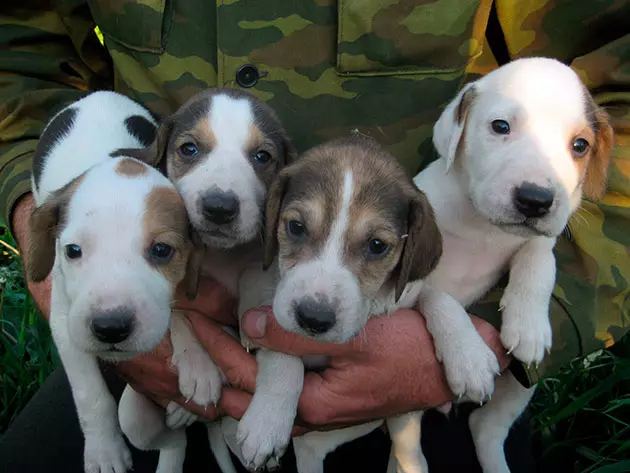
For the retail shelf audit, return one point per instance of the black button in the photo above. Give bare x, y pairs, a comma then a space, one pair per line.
247, 76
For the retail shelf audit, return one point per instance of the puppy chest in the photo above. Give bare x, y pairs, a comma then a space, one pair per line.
467, 271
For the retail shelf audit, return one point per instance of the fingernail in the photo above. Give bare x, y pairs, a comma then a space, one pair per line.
256, 324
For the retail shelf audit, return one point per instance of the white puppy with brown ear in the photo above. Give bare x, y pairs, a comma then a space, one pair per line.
114, 233
518, 148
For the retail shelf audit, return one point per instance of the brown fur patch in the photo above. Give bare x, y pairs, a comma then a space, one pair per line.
45, 224
385, 205
130, 168
598, 161
166, 221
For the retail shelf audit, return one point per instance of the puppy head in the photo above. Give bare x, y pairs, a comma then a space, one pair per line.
117, 241
528, 140
349, 227
222, 149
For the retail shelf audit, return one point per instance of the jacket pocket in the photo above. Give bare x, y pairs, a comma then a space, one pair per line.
141, 26
409, 36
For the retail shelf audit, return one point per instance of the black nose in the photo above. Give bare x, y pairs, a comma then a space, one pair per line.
532, 200
220, 207
112, 326
315, 317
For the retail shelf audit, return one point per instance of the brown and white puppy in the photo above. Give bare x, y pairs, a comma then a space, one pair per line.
518, 150
353, 238
113, 234
221, 149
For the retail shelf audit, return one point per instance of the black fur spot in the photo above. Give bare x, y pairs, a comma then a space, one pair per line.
141, 128
55, 131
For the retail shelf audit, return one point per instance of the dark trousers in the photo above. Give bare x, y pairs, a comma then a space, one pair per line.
46, 437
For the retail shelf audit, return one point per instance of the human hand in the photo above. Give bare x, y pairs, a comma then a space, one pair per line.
389, 369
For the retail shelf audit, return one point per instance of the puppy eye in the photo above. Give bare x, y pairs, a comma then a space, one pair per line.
161, 253
580, 146
188, 150
73, 251
262, 157
377, 247
501, 127
295, 229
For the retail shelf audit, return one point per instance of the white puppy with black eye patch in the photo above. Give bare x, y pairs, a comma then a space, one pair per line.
354, 238
221, 149
114, 232
518, 149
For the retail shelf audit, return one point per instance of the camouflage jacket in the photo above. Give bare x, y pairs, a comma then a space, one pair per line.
384, 68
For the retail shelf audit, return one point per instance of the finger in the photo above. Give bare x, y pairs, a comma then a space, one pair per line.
493, 339
262, 328
238, 366
209, 412
213, 300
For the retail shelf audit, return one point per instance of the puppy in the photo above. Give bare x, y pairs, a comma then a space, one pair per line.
354, 238
518, 149
221, 149
114, 233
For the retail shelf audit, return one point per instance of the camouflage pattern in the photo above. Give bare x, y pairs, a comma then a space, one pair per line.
384, 69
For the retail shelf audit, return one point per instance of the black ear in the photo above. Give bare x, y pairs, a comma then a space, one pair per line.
272, 215
155, 152
43, 229
423, 246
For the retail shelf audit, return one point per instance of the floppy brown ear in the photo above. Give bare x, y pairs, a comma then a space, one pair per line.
449, 130
155, 152
290, 153
272, 216
44, 226
597, 169
423, 246
193, 266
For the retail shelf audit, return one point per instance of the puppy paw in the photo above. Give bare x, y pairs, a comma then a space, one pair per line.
199, 378
263, 438
106, 455
470, 368
178, 417
526, 336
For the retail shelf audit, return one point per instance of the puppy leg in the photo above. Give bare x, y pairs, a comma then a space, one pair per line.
406, 456
469, 363
526, 329
219, 447
265, 429
199, 377
142, 422
311, 448
105, 448
491, 423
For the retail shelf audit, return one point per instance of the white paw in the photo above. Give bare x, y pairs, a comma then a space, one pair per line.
199, 378
263, 435
106, 455
526, 336
178, 417
470, 367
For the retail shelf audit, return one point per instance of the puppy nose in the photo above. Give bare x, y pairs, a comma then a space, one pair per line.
221, 207
112, 326
315, 317
532, 200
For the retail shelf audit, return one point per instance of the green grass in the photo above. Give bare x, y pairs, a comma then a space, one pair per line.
27, 353
581, 418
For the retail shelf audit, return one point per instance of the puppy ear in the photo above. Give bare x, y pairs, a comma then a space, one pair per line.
290, 153
594, 186
272, 216
155, 152
423, 246
193, 266
43, 229
449, 129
